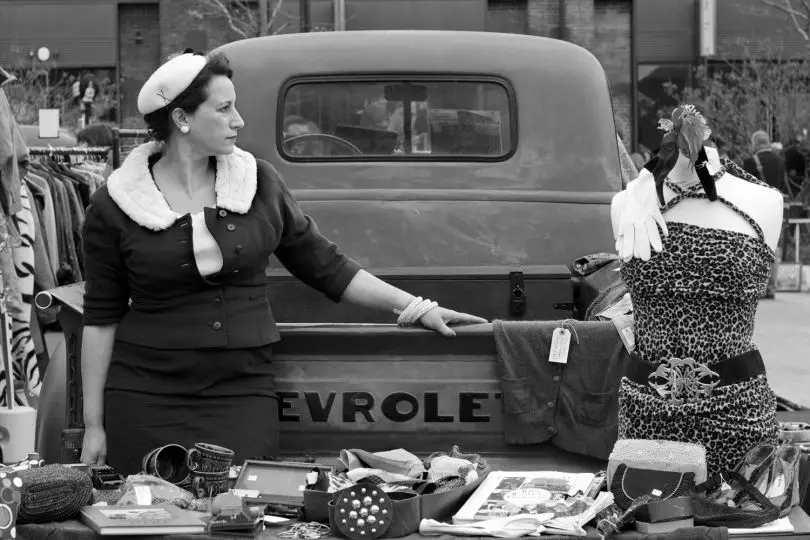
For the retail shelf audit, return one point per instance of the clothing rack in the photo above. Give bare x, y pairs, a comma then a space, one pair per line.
95, 153
118, 134
68, 150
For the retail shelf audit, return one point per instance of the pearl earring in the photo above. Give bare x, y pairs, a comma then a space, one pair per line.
184, 129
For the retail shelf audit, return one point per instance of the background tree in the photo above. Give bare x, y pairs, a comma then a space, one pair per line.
766, 92
797, 10
251, 18
42, 85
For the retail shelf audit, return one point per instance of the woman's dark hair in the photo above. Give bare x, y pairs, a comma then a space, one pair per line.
160, 122
96, 135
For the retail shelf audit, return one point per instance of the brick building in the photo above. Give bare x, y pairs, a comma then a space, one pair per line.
641, 44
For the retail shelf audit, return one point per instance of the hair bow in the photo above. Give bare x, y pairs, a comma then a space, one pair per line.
685, 133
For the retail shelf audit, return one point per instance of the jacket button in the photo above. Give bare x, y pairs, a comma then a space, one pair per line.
238, 248
231, 227
556, 378
217, 325
550, 404
223, 213
551, 429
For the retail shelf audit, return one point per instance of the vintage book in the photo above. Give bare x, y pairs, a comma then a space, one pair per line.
142, 520
505, 494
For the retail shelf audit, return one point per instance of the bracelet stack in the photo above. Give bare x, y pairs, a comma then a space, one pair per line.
415, 311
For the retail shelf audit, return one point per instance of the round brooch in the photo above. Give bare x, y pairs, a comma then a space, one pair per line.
363, 512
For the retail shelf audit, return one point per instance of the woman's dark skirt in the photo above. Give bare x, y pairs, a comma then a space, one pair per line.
156, 397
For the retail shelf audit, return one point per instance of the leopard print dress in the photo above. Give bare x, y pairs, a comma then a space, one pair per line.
698, 299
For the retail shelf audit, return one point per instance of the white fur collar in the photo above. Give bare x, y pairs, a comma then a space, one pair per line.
134, 191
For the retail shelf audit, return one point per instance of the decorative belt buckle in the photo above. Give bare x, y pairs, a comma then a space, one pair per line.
683, 381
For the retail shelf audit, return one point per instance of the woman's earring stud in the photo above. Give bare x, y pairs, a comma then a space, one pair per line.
184, 129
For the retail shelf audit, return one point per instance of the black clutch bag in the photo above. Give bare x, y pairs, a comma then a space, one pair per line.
630, 484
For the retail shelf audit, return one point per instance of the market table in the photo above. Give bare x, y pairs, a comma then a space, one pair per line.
76, 530
534, 458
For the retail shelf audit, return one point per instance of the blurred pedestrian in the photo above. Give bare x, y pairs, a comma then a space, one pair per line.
795, 160
765, 164
95, 135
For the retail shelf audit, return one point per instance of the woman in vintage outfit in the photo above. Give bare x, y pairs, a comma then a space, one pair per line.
178, 330
695, 292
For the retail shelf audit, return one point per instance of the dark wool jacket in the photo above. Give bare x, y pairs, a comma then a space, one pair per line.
141, 270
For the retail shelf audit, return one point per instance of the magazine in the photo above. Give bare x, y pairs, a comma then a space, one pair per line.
504, 494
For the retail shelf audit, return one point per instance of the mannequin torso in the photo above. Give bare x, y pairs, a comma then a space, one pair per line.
763, 204
696, 300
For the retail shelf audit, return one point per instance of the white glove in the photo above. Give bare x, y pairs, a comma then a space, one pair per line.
640, 219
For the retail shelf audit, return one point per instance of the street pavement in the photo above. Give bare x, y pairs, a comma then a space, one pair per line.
782, 333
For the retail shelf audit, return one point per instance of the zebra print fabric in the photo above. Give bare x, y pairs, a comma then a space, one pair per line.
24, 356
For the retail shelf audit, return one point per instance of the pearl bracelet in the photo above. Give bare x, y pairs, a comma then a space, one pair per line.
415, 311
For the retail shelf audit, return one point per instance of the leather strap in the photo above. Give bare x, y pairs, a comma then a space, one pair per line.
731, 371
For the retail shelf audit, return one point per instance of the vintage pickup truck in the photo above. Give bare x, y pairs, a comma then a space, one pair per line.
470, 168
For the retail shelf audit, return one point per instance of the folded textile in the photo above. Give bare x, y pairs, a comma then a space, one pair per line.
622, 307
575, 404
506, 527
397, 461
355, 475
341, 481
589, 264
608, 296
456, 452
444, 466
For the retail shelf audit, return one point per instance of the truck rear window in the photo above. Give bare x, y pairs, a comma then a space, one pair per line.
396, 119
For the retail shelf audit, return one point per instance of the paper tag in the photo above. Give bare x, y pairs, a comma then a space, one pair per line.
302, 488
560, 342
252, 478
143, 495
626, 326
656, 492
312, 478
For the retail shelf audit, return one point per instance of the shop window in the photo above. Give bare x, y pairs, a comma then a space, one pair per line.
655, 85
396, 119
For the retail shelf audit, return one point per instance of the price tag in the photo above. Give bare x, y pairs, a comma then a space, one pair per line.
626, 326
560, 342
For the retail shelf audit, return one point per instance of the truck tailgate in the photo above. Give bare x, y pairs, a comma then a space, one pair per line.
492, 292
378, 387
